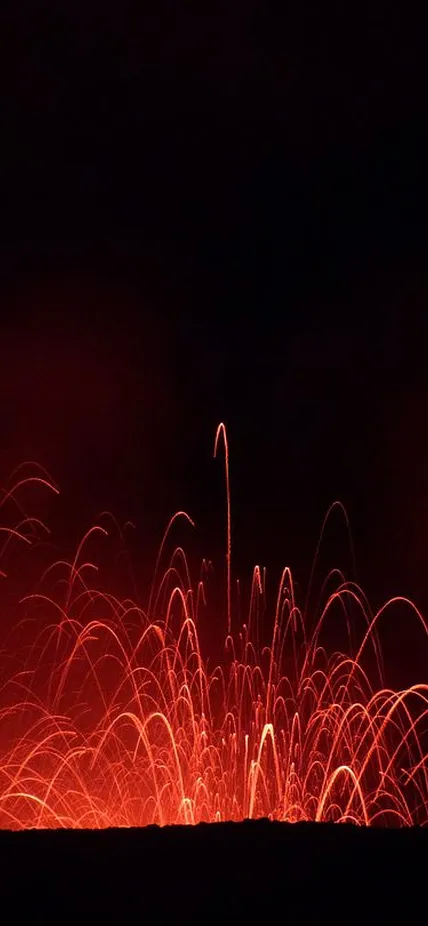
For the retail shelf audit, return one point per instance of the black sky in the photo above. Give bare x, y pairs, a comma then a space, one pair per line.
221, 214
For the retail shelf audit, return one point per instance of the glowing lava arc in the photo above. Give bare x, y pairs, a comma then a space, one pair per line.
111, 716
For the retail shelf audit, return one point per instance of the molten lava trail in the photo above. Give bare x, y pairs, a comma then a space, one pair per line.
110, 714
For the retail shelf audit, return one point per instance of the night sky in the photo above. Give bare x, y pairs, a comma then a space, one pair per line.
221, 215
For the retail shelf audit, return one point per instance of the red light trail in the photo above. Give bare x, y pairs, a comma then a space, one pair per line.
110, 714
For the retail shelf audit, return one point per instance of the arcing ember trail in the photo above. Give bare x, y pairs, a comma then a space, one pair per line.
111, 716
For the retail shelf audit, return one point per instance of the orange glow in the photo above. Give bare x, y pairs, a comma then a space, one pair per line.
110, 715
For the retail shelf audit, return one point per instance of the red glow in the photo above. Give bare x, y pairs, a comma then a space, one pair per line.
111, 715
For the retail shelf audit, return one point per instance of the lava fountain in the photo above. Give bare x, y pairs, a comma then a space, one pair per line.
110, 714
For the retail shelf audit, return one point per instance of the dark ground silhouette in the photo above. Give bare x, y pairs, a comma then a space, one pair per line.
254, 872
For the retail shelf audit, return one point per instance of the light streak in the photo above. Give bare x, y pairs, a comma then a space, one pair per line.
111, 716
